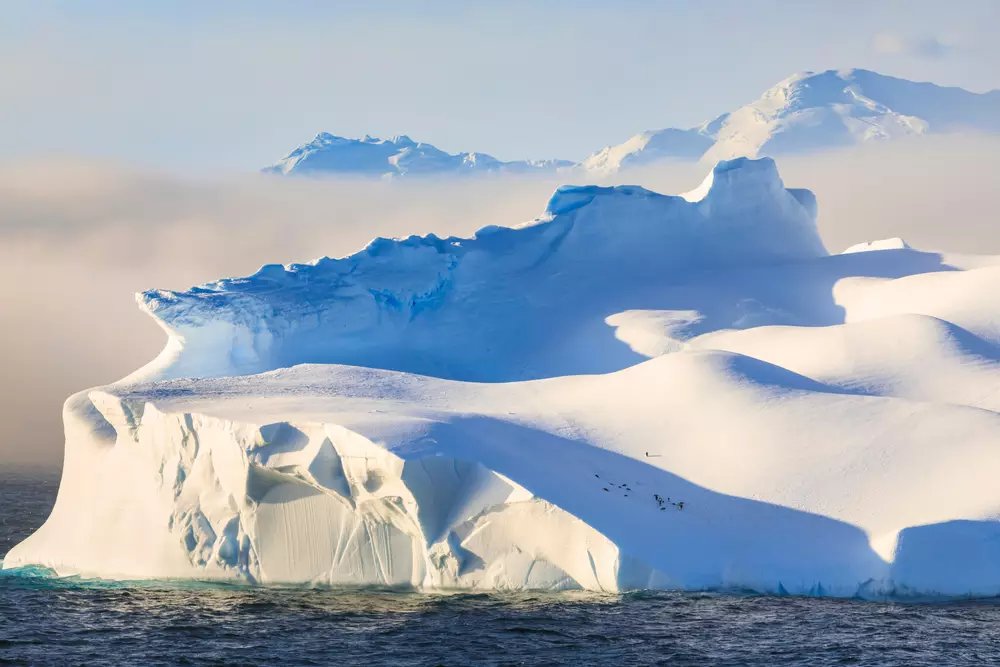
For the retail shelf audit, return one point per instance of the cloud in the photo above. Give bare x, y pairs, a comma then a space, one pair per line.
888, 43
77, 239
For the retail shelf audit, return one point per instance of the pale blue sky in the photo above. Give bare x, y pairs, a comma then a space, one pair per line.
235, 84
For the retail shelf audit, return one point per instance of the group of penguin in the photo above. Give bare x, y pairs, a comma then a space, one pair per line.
660, 500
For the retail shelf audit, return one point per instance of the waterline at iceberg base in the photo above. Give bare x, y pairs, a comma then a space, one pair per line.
632, 391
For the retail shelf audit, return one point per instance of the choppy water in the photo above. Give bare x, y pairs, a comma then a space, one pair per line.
52, 622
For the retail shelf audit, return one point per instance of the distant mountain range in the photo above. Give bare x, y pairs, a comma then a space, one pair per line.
396, 156
806, 112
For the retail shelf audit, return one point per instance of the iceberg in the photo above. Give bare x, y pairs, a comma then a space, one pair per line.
631, 391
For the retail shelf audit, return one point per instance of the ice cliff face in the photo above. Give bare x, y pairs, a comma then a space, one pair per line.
394, 157
294, 502
632, 391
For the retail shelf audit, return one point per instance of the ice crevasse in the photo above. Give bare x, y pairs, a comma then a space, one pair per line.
631, 391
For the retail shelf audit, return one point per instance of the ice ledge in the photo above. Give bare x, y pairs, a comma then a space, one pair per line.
742, 177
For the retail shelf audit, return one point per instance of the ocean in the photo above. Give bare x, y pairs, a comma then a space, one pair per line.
48, 621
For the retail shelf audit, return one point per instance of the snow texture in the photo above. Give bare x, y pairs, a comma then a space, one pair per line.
632, 391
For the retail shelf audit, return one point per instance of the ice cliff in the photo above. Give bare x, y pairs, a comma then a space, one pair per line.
631, 391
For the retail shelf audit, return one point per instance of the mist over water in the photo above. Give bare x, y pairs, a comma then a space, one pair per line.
78, 239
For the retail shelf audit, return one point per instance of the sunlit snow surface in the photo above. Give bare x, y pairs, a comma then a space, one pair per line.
633, 391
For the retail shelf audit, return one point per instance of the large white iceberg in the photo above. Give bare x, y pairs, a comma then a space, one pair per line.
632, 391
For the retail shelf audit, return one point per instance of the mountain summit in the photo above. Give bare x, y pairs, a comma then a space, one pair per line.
813, 111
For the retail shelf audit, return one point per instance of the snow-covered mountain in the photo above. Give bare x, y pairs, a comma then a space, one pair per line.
632, 391
806, 112
809, 112
396, 156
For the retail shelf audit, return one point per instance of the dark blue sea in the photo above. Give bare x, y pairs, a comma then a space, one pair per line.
45, 621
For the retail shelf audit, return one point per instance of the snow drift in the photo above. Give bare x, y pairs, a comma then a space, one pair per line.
631, 391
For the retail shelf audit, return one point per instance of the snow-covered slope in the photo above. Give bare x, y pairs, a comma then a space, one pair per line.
396, 156
631, 391
813, 111
650, 147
